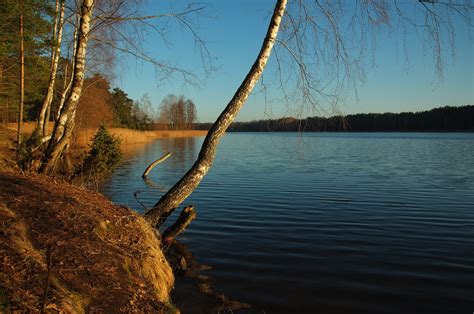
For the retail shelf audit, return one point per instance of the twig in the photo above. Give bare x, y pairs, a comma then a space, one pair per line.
135, 194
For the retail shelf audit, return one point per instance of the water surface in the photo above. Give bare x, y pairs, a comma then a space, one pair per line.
326, 222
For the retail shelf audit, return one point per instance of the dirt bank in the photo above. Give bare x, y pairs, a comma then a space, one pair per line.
7, 148
84, 252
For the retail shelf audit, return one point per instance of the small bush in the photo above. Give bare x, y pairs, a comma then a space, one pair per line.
29, 151
103, 156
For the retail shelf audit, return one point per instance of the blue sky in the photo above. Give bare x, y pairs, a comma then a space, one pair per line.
234, 30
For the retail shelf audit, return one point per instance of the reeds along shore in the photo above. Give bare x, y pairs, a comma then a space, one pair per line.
127, 136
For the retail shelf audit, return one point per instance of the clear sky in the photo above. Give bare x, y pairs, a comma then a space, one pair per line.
234, 30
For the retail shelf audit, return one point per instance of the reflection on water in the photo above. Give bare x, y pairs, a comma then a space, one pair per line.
154, 186
193, 289
331, 223
127, 179
183, 149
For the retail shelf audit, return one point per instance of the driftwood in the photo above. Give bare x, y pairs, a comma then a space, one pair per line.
184, 219
153, 164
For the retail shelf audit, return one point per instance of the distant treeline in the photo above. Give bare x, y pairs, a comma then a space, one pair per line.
438, 119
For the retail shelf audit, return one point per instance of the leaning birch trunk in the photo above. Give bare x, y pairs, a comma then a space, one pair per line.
55, 53
66, 89
63, 127
67, 83
189, 182
45, 117
56, 62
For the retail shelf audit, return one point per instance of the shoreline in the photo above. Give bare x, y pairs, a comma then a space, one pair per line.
130, 137
85, 253
127, 136
68, 249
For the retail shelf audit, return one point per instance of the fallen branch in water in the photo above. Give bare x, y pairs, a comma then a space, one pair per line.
153, 164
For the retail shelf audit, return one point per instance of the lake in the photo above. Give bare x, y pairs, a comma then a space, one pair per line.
326, 222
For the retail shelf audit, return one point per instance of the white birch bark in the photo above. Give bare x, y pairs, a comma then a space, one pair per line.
68, 83
55, 54
64, 125
190, 181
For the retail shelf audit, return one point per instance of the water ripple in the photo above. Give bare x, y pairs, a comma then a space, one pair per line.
331, 223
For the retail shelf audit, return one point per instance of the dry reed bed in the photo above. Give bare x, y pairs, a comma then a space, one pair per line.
128, 136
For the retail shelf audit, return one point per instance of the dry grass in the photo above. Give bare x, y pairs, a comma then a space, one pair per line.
28, 127
128, 136
153, 265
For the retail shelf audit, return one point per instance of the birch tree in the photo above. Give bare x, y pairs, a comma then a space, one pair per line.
64, 126
191, 114
67, 83
328, 46
112, 26
177, 113
189, 182
55, 54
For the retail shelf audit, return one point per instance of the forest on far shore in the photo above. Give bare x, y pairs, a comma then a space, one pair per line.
446, 118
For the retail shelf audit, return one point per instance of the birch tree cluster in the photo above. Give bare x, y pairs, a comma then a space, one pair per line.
177, 113
78, 40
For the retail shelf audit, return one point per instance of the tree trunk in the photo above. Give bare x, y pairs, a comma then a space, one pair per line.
66, 89
67, 83
183, 221
22, 78
64, 126
189, 182
55, 54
